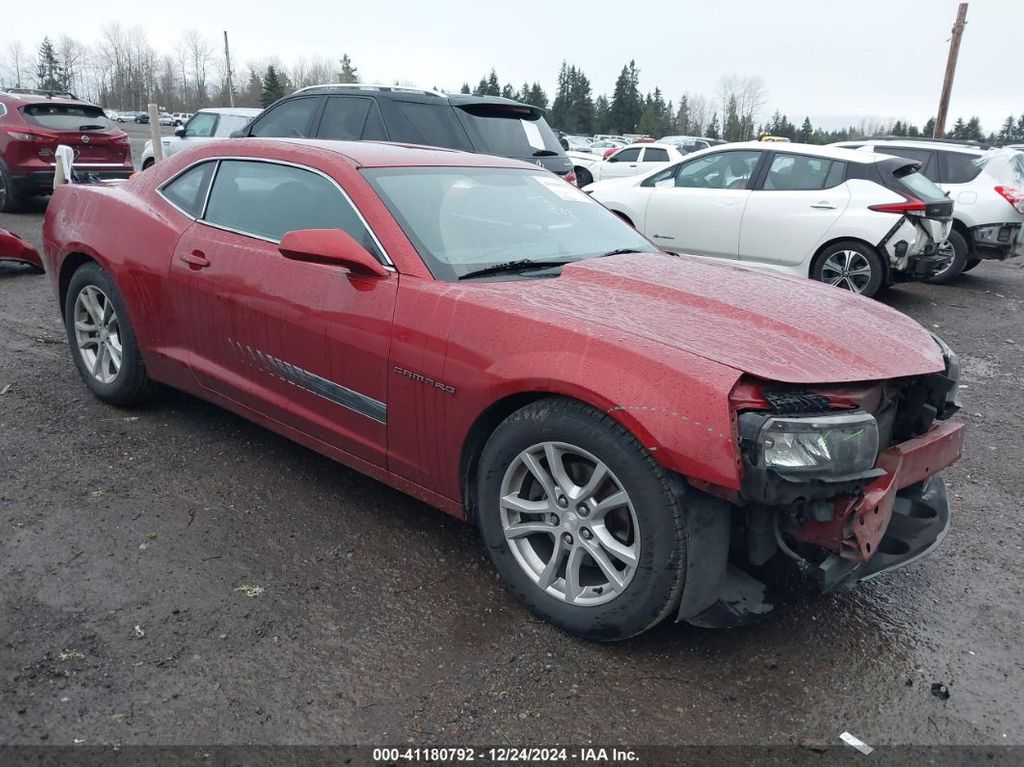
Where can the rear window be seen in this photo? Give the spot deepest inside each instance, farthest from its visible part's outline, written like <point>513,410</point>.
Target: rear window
<point>920,185</point>
<point>66,117</point>
<point>509,131</point>
<point>957,167</point>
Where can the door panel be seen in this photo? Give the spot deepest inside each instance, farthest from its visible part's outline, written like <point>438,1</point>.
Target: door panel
<point>705,222</point>
<point>785,227</point>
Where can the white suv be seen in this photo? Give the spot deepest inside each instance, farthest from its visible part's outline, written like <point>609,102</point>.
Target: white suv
<point>855,220</point>
<point>987,187</point>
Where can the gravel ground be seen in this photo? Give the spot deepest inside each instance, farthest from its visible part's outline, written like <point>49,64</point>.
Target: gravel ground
<point>129,536</point>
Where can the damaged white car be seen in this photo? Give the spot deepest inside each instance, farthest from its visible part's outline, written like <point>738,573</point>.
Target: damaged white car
<point>852,219</point>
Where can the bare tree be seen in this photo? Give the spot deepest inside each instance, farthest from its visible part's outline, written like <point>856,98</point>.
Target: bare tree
<point>748,95</point>
<point>72,55</point>
<point>18,65</point>
<point>199,53</point>
<point>700,110</point>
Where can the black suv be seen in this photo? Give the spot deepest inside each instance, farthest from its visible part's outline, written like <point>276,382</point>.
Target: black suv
<point>484,124</point>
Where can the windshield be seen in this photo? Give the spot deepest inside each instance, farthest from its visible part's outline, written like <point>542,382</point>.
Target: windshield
<point>464,219</point>
<point>66,117</point>
<point>509,131</point>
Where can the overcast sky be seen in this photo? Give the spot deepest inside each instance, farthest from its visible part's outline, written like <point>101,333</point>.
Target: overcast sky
<point>833,61</point>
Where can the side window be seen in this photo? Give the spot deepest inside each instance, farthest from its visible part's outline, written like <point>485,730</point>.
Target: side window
<point>292,119</point>
<point>430,124</point>
<point>795,173</point>
<point>957,167</point>
<point>201,125</point>
<point>722,170</point>
<point>655,155</point>
<point>343,118</point>
<point>266,200</point>
<point>662,177</point>
<point>626,155</point>
<point>188,190</point>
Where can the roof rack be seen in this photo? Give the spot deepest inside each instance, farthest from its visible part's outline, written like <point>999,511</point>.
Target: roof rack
<point>41,92</point>
<point>959,141</point>
<point>370,87</point>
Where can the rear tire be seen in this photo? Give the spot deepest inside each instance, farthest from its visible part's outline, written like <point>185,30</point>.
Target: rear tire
<point>605,495</point>
<point>957,265</point>
<point>850,265</point>
<point>102,340</point>
<point>11,199</point>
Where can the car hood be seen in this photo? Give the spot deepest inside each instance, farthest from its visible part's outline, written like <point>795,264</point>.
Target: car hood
<point>768,325</point>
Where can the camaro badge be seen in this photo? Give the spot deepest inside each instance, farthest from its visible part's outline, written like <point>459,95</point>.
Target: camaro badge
<point>424,380</point>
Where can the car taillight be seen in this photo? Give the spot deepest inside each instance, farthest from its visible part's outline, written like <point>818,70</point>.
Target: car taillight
<point>570,178</point>
<point>910,205</point>
<point>1012,195</point>
<point>19,136</point>
<point>122,139</point>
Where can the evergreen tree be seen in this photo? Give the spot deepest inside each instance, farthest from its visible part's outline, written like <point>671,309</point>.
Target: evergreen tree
<point>972,130</point>
<point>913,131</point>
<point>733,127</point>
<point>1018,134</point>
<point>682,124</point>
<point>929,128</point>
<point>805,132</point>
<point>627,105</point>
<point>348,73</point>
<point>465,89</point>
<point>602,115</point>
<point>493,86</point>
<point>898,129</point>
<point>508,92</point>
<point>656,117</point>
<point>573,110</point>
<point>273,88</point>
<point>49,74</point>
<point>712,130</point>
<point>538,97</point>
<point>1006,133</point>
<point>959,129</point>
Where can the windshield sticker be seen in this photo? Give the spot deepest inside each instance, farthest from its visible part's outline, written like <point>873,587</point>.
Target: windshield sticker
<point>533,134</point>
<point>562,189</point>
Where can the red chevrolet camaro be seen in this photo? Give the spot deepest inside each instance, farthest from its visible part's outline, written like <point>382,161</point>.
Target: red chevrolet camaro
<point>636,434</point>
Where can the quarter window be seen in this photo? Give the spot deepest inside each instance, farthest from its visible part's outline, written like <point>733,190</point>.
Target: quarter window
<point>188,191</point>
<point>722,170</point>
<point>797,173</point>
<point>291,119</point>
<point>957,167</point>
<point>266,200</point>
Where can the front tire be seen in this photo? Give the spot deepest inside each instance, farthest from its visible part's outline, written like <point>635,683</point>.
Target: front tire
<point>850,265</point>
<point>956,246</point>
<point>583,177</point>
<point>580,521</point>
<point>101,338</point>
<point>148,163</point>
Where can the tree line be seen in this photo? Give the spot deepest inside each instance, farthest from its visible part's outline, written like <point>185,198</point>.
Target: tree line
<point>123,71</point>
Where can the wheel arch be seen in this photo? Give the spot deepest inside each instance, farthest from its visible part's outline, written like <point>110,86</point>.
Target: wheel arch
<point>494,414</point>
<point>625,217</point>
<point>72,263</point>
<point>813,263</point>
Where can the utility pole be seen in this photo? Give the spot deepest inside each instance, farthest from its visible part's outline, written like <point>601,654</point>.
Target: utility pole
<point>947,82</point>
<point>227,58</point>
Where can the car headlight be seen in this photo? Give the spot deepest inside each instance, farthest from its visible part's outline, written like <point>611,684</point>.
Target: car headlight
<point>829,446</point>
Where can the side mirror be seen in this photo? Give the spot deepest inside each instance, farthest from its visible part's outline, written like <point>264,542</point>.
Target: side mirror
<point>180,131</point>
<point>330,246</point>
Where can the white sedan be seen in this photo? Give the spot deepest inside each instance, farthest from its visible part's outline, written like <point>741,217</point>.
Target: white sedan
<point>631,160</point>
<point>205,125</point>
<point>850,218</point>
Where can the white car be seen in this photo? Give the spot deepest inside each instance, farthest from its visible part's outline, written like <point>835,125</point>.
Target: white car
<point>180,118</point>
<point>987,187</point>
<point>205,125</point>
<point>852,219</point>
<point>631,160</point>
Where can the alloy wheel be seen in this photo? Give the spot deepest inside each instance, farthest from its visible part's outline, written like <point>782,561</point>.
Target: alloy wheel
<point>569,523</point>
<point>846,269</point>
<point>98,334</point>
<point>945,249</point>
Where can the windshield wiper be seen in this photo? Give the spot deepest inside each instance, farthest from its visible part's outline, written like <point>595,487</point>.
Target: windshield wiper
<point>623,251</point>
<point>512,266</point>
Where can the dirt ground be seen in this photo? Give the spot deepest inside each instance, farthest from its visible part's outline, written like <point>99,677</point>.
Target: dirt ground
<point>131,538</point>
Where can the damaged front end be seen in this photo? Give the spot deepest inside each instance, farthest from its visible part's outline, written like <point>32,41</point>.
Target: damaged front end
<point>843,480</point>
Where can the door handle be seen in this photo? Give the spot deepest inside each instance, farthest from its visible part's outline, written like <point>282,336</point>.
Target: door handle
<point>823,205</point>
<point>195,259</point>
